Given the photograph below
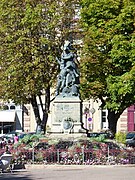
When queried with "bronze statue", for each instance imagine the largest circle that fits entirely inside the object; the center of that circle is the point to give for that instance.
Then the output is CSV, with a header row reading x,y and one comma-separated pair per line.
x,y
68,79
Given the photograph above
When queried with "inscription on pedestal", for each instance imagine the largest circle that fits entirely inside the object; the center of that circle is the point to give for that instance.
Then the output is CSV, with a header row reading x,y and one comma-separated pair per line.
x,y
66,110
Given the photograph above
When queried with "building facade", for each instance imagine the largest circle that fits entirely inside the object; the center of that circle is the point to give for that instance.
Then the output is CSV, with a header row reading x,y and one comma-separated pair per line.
x,y
131,118
11,118
96,118
21,118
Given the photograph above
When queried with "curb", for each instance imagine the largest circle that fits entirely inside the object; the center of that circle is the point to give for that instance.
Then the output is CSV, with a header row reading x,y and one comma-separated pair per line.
x,y
41,166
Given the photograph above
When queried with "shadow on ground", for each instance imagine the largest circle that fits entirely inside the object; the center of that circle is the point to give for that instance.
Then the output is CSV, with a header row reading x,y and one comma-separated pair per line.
x,y
16,175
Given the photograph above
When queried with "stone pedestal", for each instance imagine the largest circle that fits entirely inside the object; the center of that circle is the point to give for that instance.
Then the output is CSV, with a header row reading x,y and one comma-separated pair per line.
x,y
67,115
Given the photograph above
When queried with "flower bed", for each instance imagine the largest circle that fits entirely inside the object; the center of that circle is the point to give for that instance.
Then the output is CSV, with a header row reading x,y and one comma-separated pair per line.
x,y
72,152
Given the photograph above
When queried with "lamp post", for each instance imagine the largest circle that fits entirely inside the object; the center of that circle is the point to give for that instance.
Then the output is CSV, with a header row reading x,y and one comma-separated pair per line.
x,y
86,112
89,112
92,110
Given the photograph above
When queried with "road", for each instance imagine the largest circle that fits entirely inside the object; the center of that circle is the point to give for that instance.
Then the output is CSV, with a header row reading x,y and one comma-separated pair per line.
x,y
72,173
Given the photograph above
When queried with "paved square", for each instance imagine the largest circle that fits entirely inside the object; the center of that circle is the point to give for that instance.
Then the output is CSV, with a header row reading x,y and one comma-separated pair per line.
x,y
56,172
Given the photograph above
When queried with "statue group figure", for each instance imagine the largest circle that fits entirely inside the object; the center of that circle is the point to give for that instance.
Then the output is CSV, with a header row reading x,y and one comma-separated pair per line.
x,y
68,78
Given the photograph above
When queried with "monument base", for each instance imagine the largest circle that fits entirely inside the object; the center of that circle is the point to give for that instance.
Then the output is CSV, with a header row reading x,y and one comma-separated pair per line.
x,y
67,116
67,137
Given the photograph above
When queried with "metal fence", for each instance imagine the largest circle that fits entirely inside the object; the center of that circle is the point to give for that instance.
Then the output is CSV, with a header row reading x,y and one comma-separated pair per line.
x,y
74,156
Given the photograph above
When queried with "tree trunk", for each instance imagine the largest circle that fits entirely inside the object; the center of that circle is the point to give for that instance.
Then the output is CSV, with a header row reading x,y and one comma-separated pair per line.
x,y
36,113
44,121
45,106
112,120
46,109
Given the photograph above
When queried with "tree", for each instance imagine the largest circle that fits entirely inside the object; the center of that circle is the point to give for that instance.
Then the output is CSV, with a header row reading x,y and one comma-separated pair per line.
x,y
31,34
108,61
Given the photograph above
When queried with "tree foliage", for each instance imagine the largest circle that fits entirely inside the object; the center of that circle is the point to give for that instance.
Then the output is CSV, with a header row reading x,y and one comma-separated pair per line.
x,y
108,62
31,34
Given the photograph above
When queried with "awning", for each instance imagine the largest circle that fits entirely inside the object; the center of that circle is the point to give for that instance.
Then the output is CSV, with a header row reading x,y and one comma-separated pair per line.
x,y
7,116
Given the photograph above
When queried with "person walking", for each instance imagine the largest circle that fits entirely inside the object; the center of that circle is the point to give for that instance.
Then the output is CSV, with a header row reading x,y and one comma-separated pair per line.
x,y
16,138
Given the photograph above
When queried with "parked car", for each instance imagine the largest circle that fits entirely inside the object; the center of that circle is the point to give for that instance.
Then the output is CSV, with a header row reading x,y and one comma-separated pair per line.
x,y
130,142
93,135
10,134
130,139
23,134
130,135
107,135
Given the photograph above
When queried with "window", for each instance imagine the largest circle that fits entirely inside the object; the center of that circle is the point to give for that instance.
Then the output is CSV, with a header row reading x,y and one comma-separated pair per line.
x,y
104,120
12,107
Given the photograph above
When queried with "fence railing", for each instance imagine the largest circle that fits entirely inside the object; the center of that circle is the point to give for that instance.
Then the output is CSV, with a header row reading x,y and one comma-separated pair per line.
x,y
74,156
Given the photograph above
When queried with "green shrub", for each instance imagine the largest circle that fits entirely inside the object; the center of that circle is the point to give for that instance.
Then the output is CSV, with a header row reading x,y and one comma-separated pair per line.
x,y
120,137
100,138
31,140
25,139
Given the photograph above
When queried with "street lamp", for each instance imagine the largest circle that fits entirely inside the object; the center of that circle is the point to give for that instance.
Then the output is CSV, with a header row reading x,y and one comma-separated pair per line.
x,y
86,112
88,117
92,110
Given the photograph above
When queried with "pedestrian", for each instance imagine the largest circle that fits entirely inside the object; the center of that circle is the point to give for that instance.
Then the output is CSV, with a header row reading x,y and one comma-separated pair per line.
x,y
7,151
3,143
16,138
